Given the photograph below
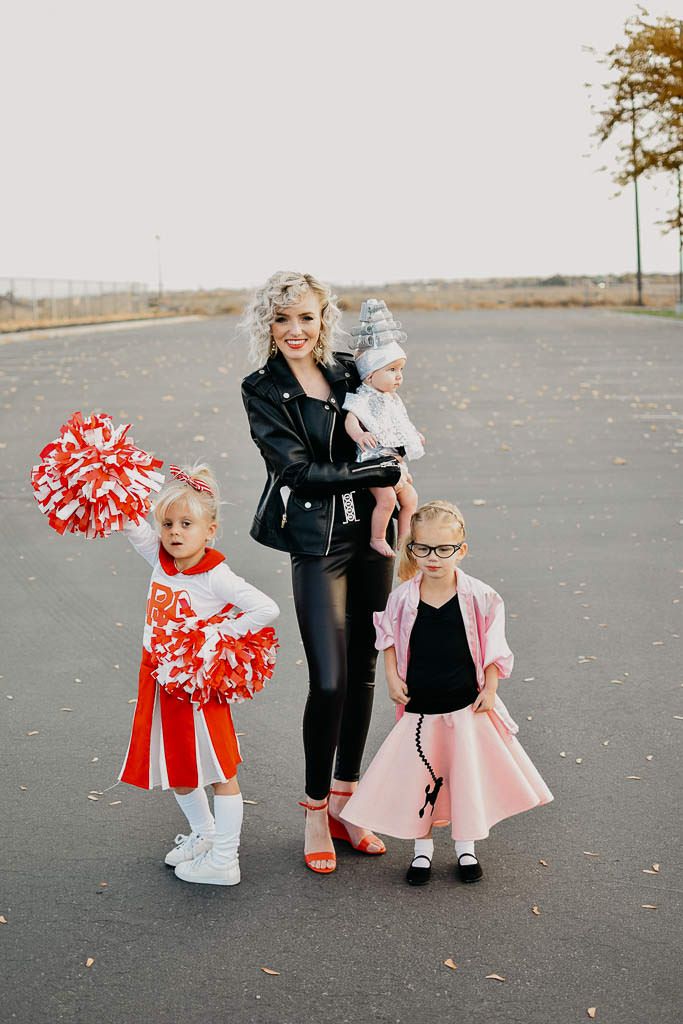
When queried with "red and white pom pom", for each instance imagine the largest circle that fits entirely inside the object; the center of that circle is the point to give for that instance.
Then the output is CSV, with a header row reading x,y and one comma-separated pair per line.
x,y
204,658
92,479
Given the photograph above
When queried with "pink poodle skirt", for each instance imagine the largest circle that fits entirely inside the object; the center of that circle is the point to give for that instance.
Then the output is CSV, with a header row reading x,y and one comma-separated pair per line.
x,y
175,743
487,776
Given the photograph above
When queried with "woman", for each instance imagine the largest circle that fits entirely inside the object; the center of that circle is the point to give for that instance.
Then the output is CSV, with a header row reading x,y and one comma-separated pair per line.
x,y
316,505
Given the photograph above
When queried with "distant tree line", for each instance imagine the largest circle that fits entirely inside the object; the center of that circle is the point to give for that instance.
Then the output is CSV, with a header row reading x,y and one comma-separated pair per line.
x,y
643,110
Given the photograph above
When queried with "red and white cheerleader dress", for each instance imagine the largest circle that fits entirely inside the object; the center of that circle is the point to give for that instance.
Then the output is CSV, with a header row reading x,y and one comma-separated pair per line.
x,y
173,742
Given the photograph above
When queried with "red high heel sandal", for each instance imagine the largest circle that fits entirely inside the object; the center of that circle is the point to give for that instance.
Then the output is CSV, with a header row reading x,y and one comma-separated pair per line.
x,y
338,830
324,854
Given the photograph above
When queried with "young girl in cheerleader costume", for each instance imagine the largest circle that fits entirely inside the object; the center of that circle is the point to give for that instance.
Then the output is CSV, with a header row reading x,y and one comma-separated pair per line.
x,y
452,755
176,743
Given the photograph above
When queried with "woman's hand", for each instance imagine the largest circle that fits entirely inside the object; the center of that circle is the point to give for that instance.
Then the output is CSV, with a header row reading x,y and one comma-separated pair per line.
x,y
366,440
398,691
486,699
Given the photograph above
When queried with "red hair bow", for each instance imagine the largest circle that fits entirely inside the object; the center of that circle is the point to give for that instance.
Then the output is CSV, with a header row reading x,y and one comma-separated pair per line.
x,y
193,481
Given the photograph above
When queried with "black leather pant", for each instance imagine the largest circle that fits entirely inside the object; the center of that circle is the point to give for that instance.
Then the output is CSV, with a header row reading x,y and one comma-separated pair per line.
x,y
335,596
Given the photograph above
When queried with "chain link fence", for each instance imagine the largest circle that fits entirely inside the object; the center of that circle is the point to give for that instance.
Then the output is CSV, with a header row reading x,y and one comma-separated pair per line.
x,y
41,302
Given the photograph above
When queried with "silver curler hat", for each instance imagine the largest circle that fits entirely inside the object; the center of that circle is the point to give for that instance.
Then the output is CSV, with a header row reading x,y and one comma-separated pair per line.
x,y
377,340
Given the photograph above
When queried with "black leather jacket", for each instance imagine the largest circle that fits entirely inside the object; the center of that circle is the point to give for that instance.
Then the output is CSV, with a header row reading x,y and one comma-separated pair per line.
x,y
306,463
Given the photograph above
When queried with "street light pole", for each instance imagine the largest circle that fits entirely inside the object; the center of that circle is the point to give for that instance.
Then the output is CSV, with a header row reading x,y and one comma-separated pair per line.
x,y
679,304
160,286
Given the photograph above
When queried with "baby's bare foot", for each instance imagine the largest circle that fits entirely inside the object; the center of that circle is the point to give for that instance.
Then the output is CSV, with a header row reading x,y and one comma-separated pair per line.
x,y
379,545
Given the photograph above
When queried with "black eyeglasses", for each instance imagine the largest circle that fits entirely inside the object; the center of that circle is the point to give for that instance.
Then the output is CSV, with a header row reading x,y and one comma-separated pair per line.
x,y
441,550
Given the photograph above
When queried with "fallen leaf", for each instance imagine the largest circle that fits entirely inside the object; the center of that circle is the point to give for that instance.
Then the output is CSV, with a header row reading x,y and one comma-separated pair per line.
x,y
479,501
449,963
636,777
3,919
587,853
591,1011
535,911
648,757
91,797
562,753
90,961
618,461
655,867
249,801
114,803
33,732
579,760
495,977
66,709
269,970
648,906
544,863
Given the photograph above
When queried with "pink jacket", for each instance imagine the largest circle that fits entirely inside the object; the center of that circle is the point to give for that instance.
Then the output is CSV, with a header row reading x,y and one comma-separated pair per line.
x,y
483,614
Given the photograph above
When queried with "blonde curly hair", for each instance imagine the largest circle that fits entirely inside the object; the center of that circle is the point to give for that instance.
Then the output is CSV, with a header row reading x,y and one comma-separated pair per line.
x,y
285,288
199,503
428,513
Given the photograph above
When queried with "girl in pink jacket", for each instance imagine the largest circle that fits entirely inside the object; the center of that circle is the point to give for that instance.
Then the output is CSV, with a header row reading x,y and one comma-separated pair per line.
x,y
452,755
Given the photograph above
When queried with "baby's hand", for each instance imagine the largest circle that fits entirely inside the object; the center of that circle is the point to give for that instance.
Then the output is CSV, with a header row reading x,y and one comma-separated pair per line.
x,y
366,440
398,691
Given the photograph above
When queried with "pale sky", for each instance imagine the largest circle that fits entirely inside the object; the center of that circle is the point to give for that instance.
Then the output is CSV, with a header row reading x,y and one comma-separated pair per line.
x,y
361,140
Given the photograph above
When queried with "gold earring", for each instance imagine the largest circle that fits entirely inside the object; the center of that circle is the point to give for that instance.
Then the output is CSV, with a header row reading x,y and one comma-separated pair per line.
x,y
273,348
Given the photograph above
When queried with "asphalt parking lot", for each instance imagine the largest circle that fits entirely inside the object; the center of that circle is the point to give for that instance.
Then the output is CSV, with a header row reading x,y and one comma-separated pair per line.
x,y
559,434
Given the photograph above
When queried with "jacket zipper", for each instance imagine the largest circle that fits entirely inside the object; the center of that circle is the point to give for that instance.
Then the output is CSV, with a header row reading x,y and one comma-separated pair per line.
x,y
334,497
364,469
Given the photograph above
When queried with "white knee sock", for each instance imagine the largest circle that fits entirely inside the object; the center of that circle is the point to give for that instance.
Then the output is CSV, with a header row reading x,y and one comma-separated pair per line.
x,y
424,848
195,807
465,847
228,811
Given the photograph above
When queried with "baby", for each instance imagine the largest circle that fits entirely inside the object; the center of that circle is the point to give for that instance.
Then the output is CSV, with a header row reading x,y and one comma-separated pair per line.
x,y
377,419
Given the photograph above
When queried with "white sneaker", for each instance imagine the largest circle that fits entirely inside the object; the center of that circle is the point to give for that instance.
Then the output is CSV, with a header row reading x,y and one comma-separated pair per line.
x,y
187,848
203,869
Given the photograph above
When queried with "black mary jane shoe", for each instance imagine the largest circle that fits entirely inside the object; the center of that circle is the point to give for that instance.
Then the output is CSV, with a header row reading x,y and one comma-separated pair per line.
x,y
417,875
469,872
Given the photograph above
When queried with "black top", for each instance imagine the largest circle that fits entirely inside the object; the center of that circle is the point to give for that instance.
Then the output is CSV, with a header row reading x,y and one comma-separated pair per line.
x,y
351,509
441,674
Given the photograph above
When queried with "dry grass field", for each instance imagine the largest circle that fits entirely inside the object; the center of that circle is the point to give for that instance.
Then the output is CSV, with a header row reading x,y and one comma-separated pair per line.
x,y
660,292
558,291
